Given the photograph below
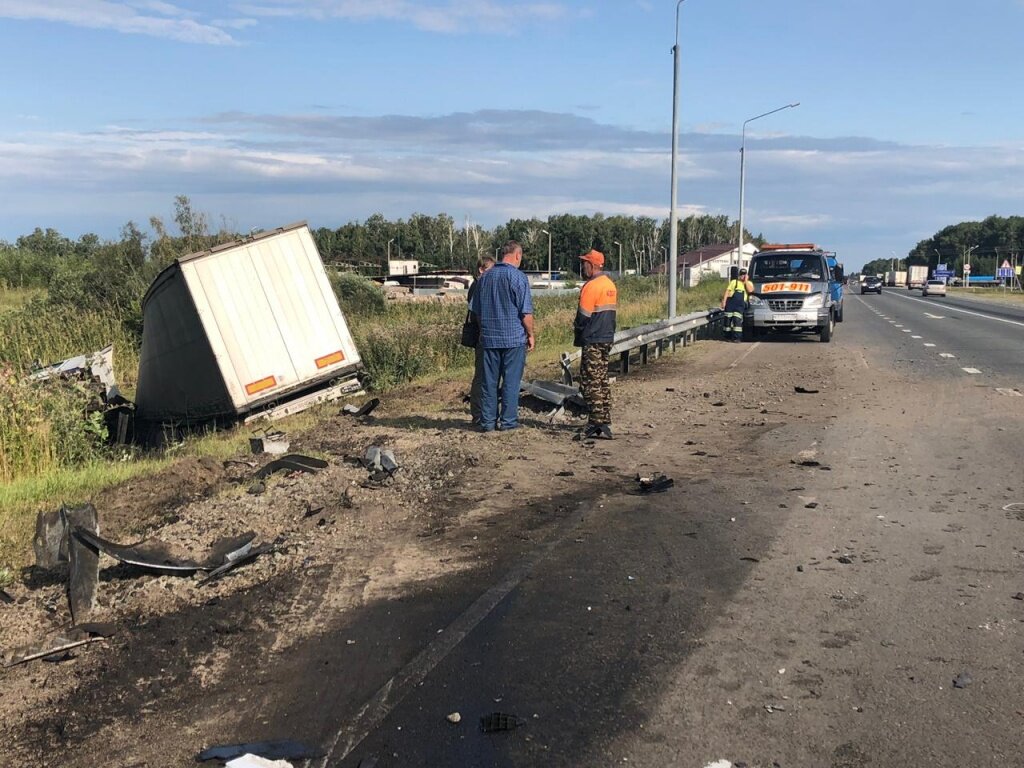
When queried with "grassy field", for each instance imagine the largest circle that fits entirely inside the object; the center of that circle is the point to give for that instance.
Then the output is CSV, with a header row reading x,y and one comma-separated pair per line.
x,y
990,294
400,343
16,298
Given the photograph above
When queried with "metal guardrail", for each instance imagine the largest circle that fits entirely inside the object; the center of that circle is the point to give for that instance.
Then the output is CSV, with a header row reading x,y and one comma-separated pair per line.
x,y
662,336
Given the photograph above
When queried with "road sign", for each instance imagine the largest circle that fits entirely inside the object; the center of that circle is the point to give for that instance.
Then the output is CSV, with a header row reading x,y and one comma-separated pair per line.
x,y
943,274
940,268
1005,272
1006,264
967,267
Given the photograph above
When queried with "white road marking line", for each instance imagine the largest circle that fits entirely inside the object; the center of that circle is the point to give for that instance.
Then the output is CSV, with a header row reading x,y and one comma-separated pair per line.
x,y
968,312
907,330
946,354
915,337
898,325
740,359
928,345
1010,392
934,317
970,370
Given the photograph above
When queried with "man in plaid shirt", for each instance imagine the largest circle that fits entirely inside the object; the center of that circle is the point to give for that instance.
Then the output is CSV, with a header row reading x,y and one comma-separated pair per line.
x,y
503,308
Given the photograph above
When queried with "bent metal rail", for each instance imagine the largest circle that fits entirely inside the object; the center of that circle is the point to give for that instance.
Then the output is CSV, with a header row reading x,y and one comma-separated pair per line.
x,y
661,336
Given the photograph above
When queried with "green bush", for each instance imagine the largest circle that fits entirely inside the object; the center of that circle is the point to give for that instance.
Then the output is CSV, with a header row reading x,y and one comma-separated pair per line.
x,y
357,295
47,425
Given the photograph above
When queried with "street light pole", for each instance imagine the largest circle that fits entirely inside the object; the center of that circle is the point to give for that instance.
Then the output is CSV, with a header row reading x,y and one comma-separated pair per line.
x,y
673,227
549,256
616,242
743,155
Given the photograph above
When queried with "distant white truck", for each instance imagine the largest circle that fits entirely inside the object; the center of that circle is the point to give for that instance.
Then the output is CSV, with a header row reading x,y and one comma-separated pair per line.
x,y
917,276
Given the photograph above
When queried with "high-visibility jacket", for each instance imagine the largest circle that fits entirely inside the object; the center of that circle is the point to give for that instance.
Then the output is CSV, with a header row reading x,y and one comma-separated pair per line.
x,y
595,317
742,287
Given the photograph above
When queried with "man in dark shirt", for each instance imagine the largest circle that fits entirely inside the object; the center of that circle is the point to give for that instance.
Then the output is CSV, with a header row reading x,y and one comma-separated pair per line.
x,y
503,308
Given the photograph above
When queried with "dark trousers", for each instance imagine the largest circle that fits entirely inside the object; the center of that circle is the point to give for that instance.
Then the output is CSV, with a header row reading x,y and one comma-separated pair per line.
x,y
502,376
476,388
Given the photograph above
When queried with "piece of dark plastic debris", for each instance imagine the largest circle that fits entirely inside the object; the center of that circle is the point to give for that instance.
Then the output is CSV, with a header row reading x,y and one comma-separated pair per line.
x,y
807,463
368,762
144,554
229,549
811,505
719,404
284,749
256,489
565,473
799,569
803,391
250,554
844,560
293,462
750,559
656,483
499,721
50,541
381,463
84,570
364,410
962,680
311,510
5,597
1018,596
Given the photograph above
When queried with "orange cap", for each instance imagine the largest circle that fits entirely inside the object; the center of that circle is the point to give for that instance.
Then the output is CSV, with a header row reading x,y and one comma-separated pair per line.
x,y
594,257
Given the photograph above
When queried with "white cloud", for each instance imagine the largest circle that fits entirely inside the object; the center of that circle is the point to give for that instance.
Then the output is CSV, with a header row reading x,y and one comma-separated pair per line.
x,y
262,170
144,17
449,16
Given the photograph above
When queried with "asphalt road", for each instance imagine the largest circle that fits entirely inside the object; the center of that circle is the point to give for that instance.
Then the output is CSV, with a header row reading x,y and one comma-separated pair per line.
x,y
765,611
976,338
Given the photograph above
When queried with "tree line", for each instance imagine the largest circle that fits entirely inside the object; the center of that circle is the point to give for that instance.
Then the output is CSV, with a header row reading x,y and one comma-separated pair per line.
x,y
985,245
94,273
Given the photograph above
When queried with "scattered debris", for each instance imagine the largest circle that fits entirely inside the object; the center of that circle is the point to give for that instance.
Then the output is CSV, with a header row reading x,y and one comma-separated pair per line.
x,y
239,557
750,559
364,410
811,505
84,571
5,597
656,483
98,365
962,680
56,648
565,473
594,432
255,761
293,462
381,463
274,443
804,391
806,462
156,555
454,717
1016,506
799,569
561,396
499,721
272,750
1018,596
844,560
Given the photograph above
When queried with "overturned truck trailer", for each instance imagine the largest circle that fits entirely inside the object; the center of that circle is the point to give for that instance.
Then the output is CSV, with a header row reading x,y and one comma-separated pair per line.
x,y
245,330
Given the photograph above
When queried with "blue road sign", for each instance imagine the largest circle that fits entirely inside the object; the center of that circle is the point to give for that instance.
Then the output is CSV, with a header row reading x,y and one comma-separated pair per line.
x,y
943,274
1005,272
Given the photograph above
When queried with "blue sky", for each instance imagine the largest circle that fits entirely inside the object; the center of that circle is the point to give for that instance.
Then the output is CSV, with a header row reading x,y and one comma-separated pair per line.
x,y
269,111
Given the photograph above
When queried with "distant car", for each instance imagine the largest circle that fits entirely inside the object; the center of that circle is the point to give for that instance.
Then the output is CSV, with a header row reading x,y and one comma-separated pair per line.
x,y
933,288
871,284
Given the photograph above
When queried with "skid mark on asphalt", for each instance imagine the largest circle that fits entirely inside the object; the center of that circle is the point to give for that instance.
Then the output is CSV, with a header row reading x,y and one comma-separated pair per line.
x,y
742,357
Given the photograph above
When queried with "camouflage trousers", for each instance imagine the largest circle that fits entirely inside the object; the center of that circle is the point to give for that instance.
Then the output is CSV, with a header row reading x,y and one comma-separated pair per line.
x,y
594,383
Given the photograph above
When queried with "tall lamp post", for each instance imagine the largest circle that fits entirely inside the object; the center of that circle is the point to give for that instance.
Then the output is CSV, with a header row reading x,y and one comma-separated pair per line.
x,y
967,267
616,242
673,227
743,154
549,255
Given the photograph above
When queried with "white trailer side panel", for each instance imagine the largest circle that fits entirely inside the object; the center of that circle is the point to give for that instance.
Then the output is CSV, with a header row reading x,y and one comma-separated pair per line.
x,y
270,315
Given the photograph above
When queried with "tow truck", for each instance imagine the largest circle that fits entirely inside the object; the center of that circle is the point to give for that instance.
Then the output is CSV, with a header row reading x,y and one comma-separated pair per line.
x,y
798,287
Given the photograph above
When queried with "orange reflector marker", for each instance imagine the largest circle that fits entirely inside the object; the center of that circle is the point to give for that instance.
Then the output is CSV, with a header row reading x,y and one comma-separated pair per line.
x,y
259,386
331,359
